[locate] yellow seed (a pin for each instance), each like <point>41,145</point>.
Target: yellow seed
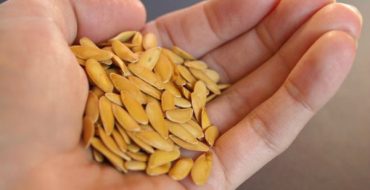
<point>135,165</point>
<point>124,119</point>
<point>113,97</point>
<point>164,68</point>
<point>182,103</point>
<point>121,143</point>
<point>149,58</point>
<point>146,75</point>
<point>196,65</point>
<point>173,57</point>
<point>181,169</point>
<point>119,62</point>
<point>147,148</point>
<point>168,101</point>
<point>145,87</point>
<point>200,88</point>
<point>197,102</point>
<point>122,83</point>
<point>211,97</point>
<point>124,36</point>
<point>123,134</point>
<point>156,171</point>
<point>111,144</point>
<point>97,156</point>
<point>156,118</point>
<point>199,146</point>
<point>134,108</point>
<point>213,75</point>
<point>179,81</point>
<point>205,122</point>
<point>202,169</point>
<point>170,86</point>
<point>139,156</point>
<point>185,92</point>
<point>88,131</point>
<point>211,134</point>
<point>149,41</point>
<point>98,75</point>
<point>194,128</point>
<point>123,52</point>
<point>185,73</point>
<point>153,139</point>
<point>107,62</point>
<point>179,115</point>
<point>182,53</point>
<point>159,157</point>
<point>80,61</point>
<point>137,42</point>
<point>85,53</point>
<point>114,159</point>
<point>106,114</point>
<point>223,86</point>
<point>88,43</point>
<point>97,91</point>
<point>92,107</point>
<point>211,85</point>
<point>181,132</point>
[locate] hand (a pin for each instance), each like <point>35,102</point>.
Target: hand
<point>284,60</point>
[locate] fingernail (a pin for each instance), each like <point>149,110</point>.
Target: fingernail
<point>354,9</point>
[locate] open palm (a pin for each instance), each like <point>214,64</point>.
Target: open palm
<point>285,59</point>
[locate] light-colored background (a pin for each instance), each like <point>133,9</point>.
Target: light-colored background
<point>333,151</point>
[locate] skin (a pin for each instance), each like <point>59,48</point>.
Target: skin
<point>285,59</point>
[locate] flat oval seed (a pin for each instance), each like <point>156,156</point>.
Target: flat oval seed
<point>139,156</point>
<point>164,68</point>
<point>123,36</point>
<point>106,114</point>
<point>122,83</point>
<point>114,159</point>
<point>185,73</point>
<point>202,169</point>
<point>182,103</point>
<point>149,41</point>
<point>193,128</point>
<point>119,62</point>
<point>97,156</point>
<point>196,64</point>
<point>174,58</point>
<point>92,107</point>
<point>149,58</point>
<point>213,75</point>
<point>156,118</point>
<point>111,144</point>
<point>211,85</point>
<point>181,132</point>
<point>134,108</point>
<point>179,115</point>
<point>181,169</point>
<point>121,143</point>
<point>168,101</point>
<point>114,98</point>
<point>205,119</point>
<point>123,52</point>
<point>84,52</point>
<point>146,75</point>
<point>88,43</point>
<point>201,147</point>
<point>98,75</point>
<point>124,119</point>
<point>147,148</point>
<point>88,131</point>
<point>153,139</point>
<point>211,134</point>
<point>133,148</point>
<point>170,86</point>
<point>137,42</point>
<point>97,91</point>
<point>159,157</point>
<point>123,134</point>
<point>182,53</point>
<point>163,169</point>
<point>135,165</point>
<point>145,87</point>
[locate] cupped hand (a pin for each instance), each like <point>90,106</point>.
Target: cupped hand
<point>285,59</point>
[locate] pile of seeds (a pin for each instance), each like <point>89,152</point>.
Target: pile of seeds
<point>146,104</point>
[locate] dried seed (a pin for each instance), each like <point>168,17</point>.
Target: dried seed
<point>139,156</point>
<point>113,97</point>
<point>211,97</point>
<point>179,81</point>
<point>123,134</point>
<point>199,146</point>
<point>205,122</point>
<point>123,52</point>
<point>211,134</point>
<point>114,159</point>
<point>92,107</point>
<point>202,169</point>
<point>133,148</point>
<point>182,53</point>
<point>124,36</point>
<point>156,118</point>
<point>119,62</point>
<point>147,148</point>
<point>88,131</point>
<point>135,165</point>
<point>170,86</point>
<point>134,108</point>
<point>149,41</point>
<point>156,171</point>
<point>137,42</point>
<point>147,75</point>
<point>181,132</point>
<point>168,101</point>
<point>123,84</point>
<point>145,87</point>
<point>181,169</point>
<point>97,91</point>
<point>200,88</point>
<point>124,119</point>
<point>185,92</point>
<point>98,75</point>
<point>84,52</point>
<point>173,57</point>
<point>194,128</point>
<point>153,139</point>
<point>179,115</point>
<point>223,86</point>
<point>111,144</point>
<point>97,156</point>
<point>106,114</point>
<point>164,68</point>
<point>150,58</point>
<point>80,61</point>
<point>185,73</point>
<point>196,65</point>
<point>211,85</point>
<point>213,75</point>
<point>182,103</point>
<point>197,102</point>
<point>121,143</point>
<point>88,43</point>
<point>107,62</point>
<point>159,157</point>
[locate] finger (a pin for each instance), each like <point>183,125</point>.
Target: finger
<point>254,47</point>
<point>255,88</point>
<point>273,125</point>
<point>206,25</point>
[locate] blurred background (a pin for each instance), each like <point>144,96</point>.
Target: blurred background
<point>333,151</point>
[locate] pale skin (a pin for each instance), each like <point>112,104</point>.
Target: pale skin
<point>285,59</point>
